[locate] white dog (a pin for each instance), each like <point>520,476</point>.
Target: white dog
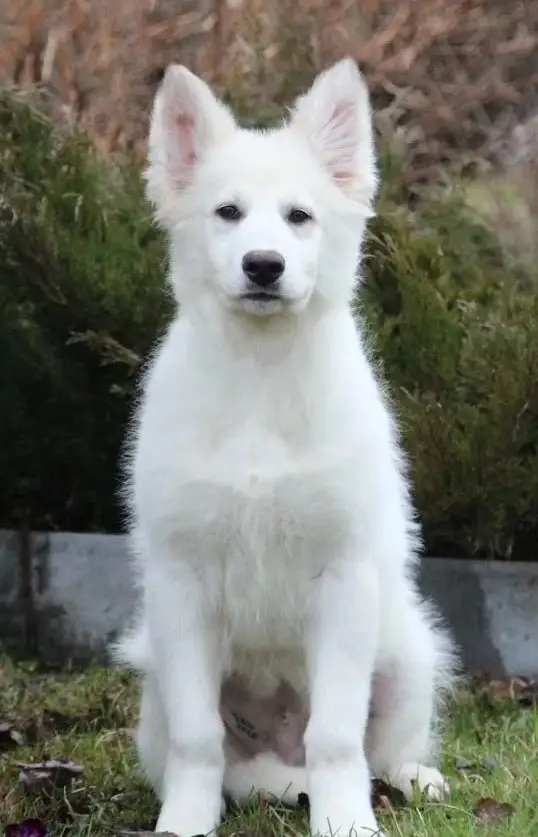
<point>281,638</point>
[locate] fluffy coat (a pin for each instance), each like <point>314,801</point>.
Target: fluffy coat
<point>271,520</point>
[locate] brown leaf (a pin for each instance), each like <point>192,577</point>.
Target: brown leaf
<point>528,695</point>
<point>385,796</point>
<point>10,736</point>
<point>490,811</point>
<point>44,778</point>
<point>496,691</point>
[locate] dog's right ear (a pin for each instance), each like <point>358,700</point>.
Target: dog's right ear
<point>187,120</point>
<point>334,118</point>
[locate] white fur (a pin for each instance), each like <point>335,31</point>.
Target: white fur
<point>271,520</point>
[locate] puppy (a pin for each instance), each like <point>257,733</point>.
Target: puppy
<point>281,639</point>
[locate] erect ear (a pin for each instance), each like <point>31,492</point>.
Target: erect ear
<point>334,117</point>
<point>187,120</point>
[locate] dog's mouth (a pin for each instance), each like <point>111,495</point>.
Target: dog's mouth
<point>261,296</point>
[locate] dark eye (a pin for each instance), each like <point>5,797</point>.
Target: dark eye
<point>229,212</point>
<point>298,217</point>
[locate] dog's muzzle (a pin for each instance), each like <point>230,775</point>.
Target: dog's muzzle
<point>261,296</point>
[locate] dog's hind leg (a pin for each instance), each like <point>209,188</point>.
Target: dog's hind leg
<point>152,734</point>
<point>134,650</point>
<point>401,734</point>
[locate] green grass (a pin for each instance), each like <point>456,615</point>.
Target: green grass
<point>99,710</point>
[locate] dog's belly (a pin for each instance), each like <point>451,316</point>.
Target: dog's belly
<point>255,722</point>
<point>261,720</point>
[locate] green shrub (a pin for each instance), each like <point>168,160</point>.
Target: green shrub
<point>455,329</point>
<point>82,298</point>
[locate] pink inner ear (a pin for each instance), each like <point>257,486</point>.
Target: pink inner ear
<point>342,111</point>
<point>341,140</point>
<point>185,138</point>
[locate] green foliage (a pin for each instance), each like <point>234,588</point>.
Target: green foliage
<point>455,329</point>
<point>82,298</point>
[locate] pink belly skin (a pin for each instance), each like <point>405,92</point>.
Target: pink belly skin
<point>277,723</point>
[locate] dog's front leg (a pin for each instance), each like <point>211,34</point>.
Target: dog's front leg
<point>188,663</point>
<point>341,646</point>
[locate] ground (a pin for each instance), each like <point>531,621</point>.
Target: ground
<point>489,753</point>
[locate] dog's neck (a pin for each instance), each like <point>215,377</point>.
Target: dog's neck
<point>270,373</point>
<point>265,340</point>
<point>271,370</point>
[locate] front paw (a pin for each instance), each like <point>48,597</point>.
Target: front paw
<point>429,781</point>
<point>340,801</point>
<point>190,820</point>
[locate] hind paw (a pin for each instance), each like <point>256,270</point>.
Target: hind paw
<point>429,780</point>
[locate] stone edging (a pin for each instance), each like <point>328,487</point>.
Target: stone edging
<point>65,596</point>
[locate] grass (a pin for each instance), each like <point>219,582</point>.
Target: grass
<point>88,716</point>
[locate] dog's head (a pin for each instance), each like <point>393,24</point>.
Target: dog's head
<point>263,221</point>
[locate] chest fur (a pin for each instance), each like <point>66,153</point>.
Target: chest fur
<point>263,539</point>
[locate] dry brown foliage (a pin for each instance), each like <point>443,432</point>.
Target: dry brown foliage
<point>450,76</point>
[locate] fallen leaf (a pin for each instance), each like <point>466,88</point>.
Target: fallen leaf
<point>26,828</point>
<point>523,690</point>
<point>488,810</point>
<point>384,794</point>
<point>44,778</point>
<point>10,736</point>
<point>528,696</point>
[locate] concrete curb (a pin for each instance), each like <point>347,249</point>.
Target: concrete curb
<point>65,596</point>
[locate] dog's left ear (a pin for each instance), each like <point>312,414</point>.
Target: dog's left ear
<point>188,120</point>
<point>334,117</point>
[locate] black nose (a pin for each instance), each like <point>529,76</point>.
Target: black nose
<point>263,267</point>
